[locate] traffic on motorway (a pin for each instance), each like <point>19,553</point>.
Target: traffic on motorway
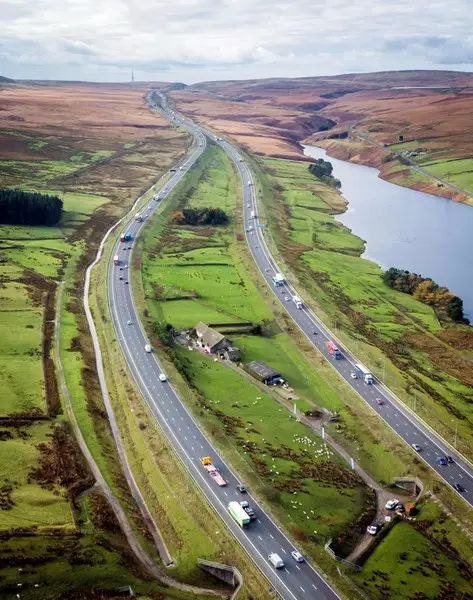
<point>290,576</point>
<point>429,447</point>
<point>274,554</point>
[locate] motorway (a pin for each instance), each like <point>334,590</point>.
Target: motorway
<point>263,536</point>
<point>294,581</point>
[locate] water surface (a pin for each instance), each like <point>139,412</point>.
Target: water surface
<point>403,228</point>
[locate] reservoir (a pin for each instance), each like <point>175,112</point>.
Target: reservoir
<point>426,234</point>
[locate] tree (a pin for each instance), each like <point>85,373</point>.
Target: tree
<point>455,309</point>
<point>29,208</point>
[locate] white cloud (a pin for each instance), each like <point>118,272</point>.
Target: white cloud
<point>193,40</point>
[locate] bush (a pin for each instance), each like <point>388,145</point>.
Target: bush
<point>203,216</point>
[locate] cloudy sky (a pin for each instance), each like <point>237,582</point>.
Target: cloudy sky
<point>197,40</point>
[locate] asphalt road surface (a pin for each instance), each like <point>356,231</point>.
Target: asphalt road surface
<point>262,536</point>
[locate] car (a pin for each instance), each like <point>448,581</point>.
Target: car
<point>266,270</point>
<point>458,487</point>
<point>353,375</point>
<point>441,460</point>
<point>126,282</point>
<point>162,377</point>
<point>121,268</point>
<point>256,247</point>
<point>128,322</point>
<point>391,504</point>
<point>248,205</point>
<point>379,401</point>
<point>121,278</point>
<point>314,332</point>
<point>286,298</point>
<point>241,488</point>
<point>297,556</point>
<point>372,529</point>
<point>126,266</point>
<point>450,460</point>
<point>416,447</point>
<point>129,247</point>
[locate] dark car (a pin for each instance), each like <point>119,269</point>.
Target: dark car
<point>120,278</point>
<point>458,487</point>
<point>441,460</point>
<point>450,460</point>
<point>241,488</point>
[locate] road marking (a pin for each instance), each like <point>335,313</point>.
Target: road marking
<point>259,537</point>
<point>303,590</point>
<point>286,570</point>
<point>298,568</point>
<point>258,520</point>
<point>283,550</point>
<point>271,536</point>
<point>314,586</point>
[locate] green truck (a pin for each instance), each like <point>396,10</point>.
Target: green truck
<point>237,512</point>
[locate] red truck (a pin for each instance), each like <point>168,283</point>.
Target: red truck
<point>333,350</point>
<point>213,471</point>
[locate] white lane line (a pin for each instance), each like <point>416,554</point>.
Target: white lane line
<point>298,568</point>
<point>303,590</point>
<point>271,536</point>
<point>283,550</point>
<point>260,538</point>
<point>315,587</point>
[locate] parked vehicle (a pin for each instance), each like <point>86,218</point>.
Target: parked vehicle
<point>372,529</point>
<point>276,560</point>
<point>213,471</point>
<point>238,514</point>
<point>333,350</point>
<point>391,504</point>
<point>363,373</point>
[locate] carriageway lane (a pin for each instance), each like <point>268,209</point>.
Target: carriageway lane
<point>294,581</point>
<point>404,423</point>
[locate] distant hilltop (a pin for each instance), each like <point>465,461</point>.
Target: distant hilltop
<point>6,80</point>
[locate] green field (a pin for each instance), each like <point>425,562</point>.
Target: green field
<point>32,504</point>
<point>390,331</point>
<point>280,457</point>
<point>406,564</point>
<point>459,172</point>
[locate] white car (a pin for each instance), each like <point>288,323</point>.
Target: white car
<point>353,375</point>
<point>416,447</point>
<point>162,377</point>
<point>372,529</point>
<point>391,504</point>
<point>128,322</point>
<point>147,348</point>
<point>297,556</point>
<point>286,298</point>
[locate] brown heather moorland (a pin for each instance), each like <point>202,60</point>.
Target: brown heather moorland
<point>430,109</point>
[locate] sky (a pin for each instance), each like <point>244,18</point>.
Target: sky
<point>201,40</point>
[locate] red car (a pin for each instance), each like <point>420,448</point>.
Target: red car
<point>379,401</point>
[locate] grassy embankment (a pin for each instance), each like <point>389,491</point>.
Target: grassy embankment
<point>189,527</point>
<point>33,259</point>
<point>204,271</point>
<point>400,338</point>
<point>305,219</point>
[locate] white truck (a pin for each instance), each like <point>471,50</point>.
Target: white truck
<point>297,301</point>
<point>276,560</point>
<point>253,214</point>
<point>364,373</point>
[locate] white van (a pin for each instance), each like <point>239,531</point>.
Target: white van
<point>147,348</point>
<point>276,560</point>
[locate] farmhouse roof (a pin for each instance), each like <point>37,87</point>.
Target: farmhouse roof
<point>209,336</point>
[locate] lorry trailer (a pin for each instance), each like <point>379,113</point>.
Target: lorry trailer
<point>364,374</point>
<point>333,350</point>
<point>125,237</point>
<point>238,514</point>
<point>213,471</point>
<point>297,301</point>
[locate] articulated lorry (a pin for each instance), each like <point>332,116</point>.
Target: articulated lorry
<point>238,514</point>
<point>364,374</point>
<point>125,237</point>
<point>333,350</point>
<point>213,471</point>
